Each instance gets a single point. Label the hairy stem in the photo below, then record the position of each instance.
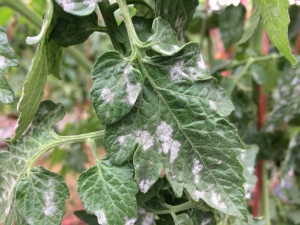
(174, 209)
(92, 144)
(32, 17)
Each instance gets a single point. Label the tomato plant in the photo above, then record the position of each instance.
(182, 136)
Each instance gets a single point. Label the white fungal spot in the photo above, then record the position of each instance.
(6, 211)
(102, 220)
(130, 221)
(216, 200)
(67, 5)
(30, 221)
(206, 221)
(133, 91)
(197, 168)
(212, 106)
(169, 145)
(200, 62)
(199, 194)
(219, 162)
(177, 71)
(48, 196)
(3, 62)
(107, 95)
(148, 219)
(145, 185)
(144, 138)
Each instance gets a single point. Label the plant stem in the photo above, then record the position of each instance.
(175, 209)
(133, 38)
(32, 17)
(93, 149)
(265, 193)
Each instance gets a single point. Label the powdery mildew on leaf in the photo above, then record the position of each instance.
(50, 206)
(80, 8)
(107, 95)
(102, 220)
(197, 168)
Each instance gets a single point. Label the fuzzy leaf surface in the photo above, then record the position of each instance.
(13, 163)
(46, 60)
(109, 192)
(183, 219)
(205, 218)
(177, 12)
(72, 30)
(252, 23)
(8, 59)
(232, 24)
(177, 124)
(78, 7)
(287, 104)
(116, 88)
(41, 197)
(275, 18)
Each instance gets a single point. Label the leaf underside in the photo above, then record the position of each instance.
(175, 123)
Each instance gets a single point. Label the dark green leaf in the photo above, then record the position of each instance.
(176, 124)
(41, 197)
(72, 30)
(252, 23)
(109, 192)
(14, 162)
(177, 12)
(231, 23)
(275, 18)
(145, 11)
(90, 219)
(116, 88)
(78, 7)
(143, 197)
(293, 157)
(294, 25)
(8, 59)
(205, 218)
(287, 104)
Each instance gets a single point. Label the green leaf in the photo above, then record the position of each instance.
(252, 23)
(143, 197)
(183, 219)
(231, 23)
(8, 59)
(72, 30)
(144, 11)
(78, 7)
(248, 160)
(13, 163)
(177, 12)
(46, 60)
(116, 88)
(145, 218)
(259, 74)
(292, 160)
(176, 124)
(41, 197)
(287, 104)
(275, 19)
(109, 192)
(205, 218)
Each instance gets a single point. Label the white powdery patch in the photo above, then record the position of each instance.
(30, 221)
(200, 62)
(133, 91)
(169, 145)
(3, 62)
(122, 139)
(197, 168)
(176, 71)
(130, 221)
(145, 185)
(206, 221)
(216, 200)
(67, 5)
(148, 219)
(107, 95)
(212, 106)
(144, 138)
(48, 196)
(102, 220)
(7, 210)
(199, 194)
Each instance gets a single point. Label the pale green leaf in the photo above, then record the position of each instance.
(116, 88)
(183, 219)
(176, 124)
(109, 192)
(8, 59)
(205, 218)
(177, 12)
(41, 197)
(47, 59)
(46, 24)
(275, 19)
(286, 103)
(231, 23)
(259, 74)
(251, 221)
(78, 7)
(252, 23)
(13, 163)
(248, 160)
